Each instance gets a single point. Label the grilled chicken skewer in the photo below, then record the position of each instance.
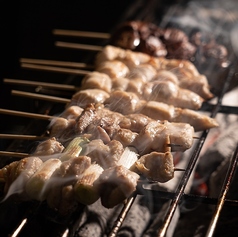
(154, 109)
(181, 72)
(152, 143)
(143, 133)
(44, 180)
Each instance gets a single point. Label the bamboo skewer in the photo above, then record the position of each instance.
(56, 63)
(86, 34)
(41, 97)
(54, 69)
(42, 84)
(26, 114)
(60, 100)
(20, 137)
(78, 46)
(13, 154)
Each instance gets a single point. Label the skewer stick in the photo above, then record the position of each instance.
(86, 34)
(20, 136)
(54, 69)
(41, 97)
(26, 114)
(42, 84)
(13, 154)
(78, 46)
(56, 63)
(17, 231)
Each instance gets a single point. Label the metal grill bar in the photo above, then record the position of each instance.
(180, 190)
(225, 188)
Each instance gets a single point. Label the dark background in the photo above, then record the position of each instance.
(26, 27)
(26, 32)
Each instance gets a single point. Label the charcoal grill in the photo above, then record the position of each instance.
(29, 217)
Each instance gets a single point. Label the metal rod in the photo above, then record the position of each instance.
(17, 231)
(121, 216)
(193, 160)
(224, 191)
(188, 197)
